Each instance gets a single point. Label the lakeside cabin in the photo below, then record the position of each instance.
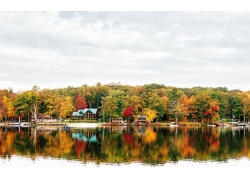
(87, 113)
(140, 119)
(119, 120)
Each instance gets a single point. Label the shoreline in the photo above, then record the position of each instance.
(107, 124)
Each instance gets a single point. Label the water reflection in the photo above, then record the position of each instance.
(154, 146)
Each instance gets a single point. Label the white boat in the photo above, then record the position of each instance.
(173, 124)
(242, 124)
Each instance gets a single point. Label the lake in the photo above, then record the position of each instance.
(152, 149)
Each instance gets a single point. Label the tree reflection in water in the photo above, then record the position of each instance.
(117, 145)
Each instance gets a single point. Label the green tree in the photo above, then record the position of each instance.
(245, 101)
(22, 105)
(176, 107)
(201, 104)
(114, 104)
(158, 104)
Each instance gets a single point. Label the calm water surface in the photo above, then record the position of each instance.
(125, 147)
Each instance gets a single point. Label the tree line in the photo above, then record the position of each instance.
(157, 102)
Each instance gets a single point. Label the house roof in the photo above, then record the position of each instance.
(82, 137)
(93, 110)
(81, 112)
(75, 114)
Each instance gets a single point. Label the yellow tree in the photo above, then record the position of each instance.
(165, 101)
(245, 104)
(150, 114)
(9, 105)
(60, 106)
(3, 114)
(137, 104)
(185, 102)
(66, 107)
(192, 111)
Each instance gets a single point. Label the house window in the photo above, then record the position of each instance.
(141, 118)
(88, 114)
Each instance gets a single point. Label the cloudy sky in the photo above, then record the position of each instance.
(54, 49)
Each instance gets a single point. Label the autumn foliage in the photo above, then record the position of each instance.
(128, 111)
(80, 102)
(127, 138)
(157, 102)
(215, 108)
(80, 147)
(207, 112)
(212, 112)
(150, 136)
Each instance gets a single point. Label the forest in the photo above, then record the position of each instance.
(157, 102)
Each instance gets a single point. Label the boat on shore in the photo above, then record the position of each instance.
(242, 124)
(173, 124)
(238, 124)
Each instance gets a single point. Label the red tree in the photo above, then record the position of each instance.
(80, 102)
(215, 108)
(127, 112)
(207, 112)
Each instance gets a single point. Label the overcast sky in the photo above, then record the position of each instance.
(184, 49)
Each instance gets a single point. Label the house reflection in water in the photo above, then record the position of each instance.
(88, 137)
(141, 130)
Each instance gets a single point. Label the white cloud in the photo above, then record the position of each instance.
(171, 48)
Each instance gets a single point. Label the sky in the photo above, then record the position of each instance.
(57, 49)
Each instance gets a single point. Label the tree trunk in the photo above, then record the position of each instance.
(28, 116)
(89, 104)
(35, 112)
(175, 117)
